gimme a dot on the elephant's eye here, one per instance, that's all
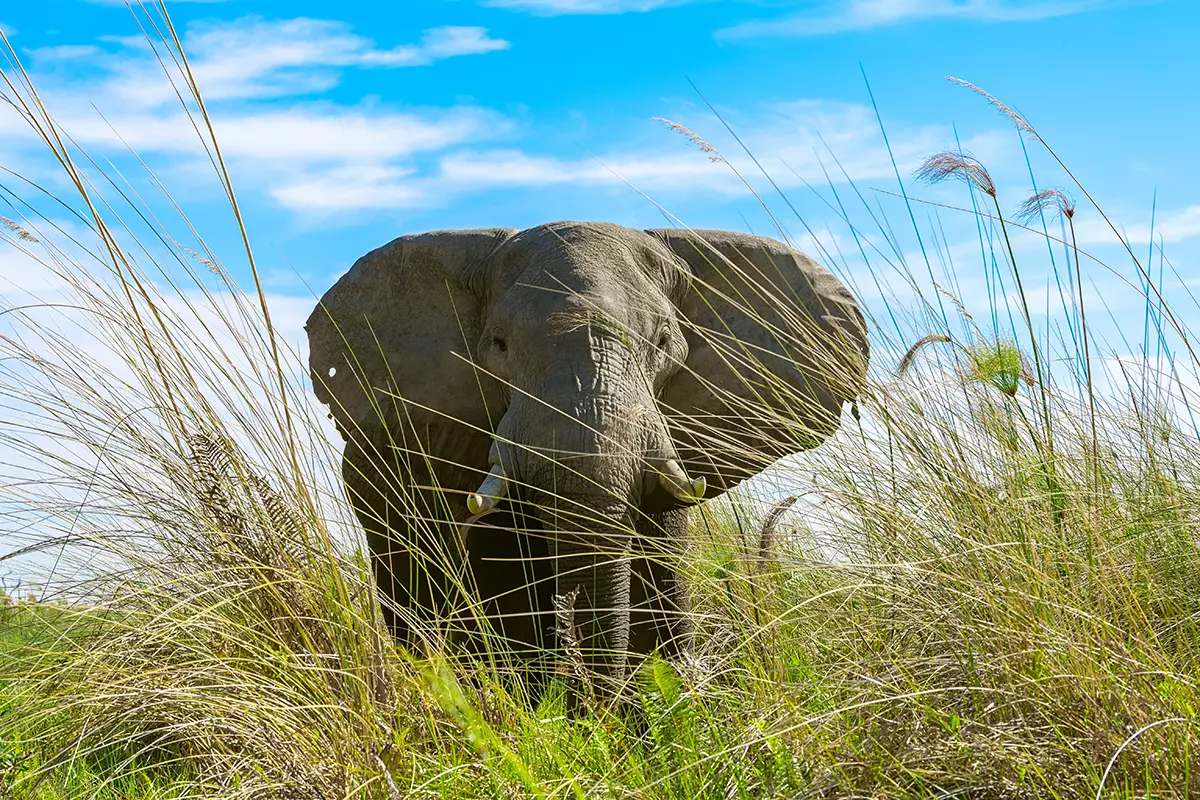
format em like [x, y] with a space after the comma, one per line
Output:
[664, 339]
[499, 343]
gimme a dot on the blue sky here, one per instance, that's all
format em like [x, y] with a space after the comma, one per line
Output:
[346, 125]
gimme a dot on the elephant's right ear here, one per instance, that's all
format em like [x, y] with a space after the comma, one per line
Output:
[397, 327]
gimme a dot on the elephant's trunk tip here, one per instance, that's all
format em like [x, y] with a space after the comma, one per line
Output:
[490, 492]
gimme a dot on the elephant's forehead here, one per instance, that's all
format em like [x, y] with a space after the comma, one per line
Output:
[594, 270]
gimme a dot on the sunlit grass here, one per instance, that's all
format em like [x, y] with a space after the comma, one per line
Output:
[953, 606]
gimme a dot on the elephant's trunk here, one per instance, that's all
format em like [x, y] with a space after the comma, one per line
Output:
[577, 464]
[590, 547]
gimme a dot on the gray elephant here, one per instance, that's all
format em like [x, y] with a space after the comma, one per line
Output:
[530, 415]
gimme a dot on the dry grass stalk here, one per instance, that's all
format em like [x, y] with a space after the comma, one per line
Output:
[571, 643]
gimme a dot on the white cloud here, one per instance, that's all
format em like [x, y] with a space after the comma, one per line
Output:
[841, 16]
[307, 134]
[785, 138]
[352, 187]
[314, 156]
[65, 52]
[1171, 227]
[7, 30]
[303, 152]
[486, 169]
[556, 7]
[253, 57]
[22, 276]
[321, 134]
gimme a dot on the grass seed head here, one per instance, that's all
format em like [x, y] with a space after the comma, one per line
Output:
[18, 229]
[1054, 201]
[917, 347]
[1016, 118]
[942, 166]
[694, 138]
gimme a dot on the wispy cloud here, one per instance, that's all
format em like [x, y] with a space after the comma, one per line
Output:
[1170, 227]
[557, 7]
[787, 137]
[293, 137]
[840, 16]
[254, 57]
[352, 187]
[264, 82]
[65, 52]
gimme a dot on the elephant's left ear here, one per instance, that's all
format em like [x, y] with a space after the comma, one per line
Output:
[777, 345]
[392, 333]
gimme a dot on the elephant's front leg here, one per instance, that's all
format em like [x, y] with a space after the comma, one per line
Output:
[660, 611]
[416, 554]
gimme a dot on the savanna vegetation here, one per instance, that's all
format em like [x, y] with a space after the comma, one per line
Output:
[987, 584]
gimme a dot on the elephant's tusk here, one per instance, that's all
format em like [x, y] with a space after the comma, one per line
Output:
[674, 480]
[491, 491]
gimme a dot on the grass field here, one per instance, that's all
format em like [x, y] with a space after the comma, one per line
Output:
[989, 638]
[988, 587]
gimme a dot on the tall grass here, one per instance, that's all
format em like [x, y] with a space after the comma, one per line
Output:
[954, 605]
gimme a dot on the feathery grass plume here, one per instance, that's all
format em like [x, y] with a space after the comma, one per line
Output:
[911, 355]
[695, 138]
[958, 306]
[22, 234]
[1016, 118]
[949, 164]
[204, 260]
[1054, 200]
[766, 536]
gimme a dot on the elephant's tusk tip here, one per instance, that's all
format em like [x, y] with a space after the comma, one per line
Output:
[477, 503]
[674, 481]
[489, 493]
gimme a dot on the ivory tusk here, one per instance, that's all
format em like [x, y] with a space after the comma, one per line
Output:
[490, 492]
[674, 480]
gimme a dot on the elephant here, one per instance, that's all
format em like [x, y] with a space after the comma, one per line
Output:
[530, 416]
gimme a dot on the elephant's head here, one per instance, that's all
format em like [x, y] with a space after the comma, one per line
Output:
[592, 371]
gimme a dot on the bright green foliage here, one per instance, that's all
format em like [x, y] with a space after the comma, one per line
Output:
[999, 364]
